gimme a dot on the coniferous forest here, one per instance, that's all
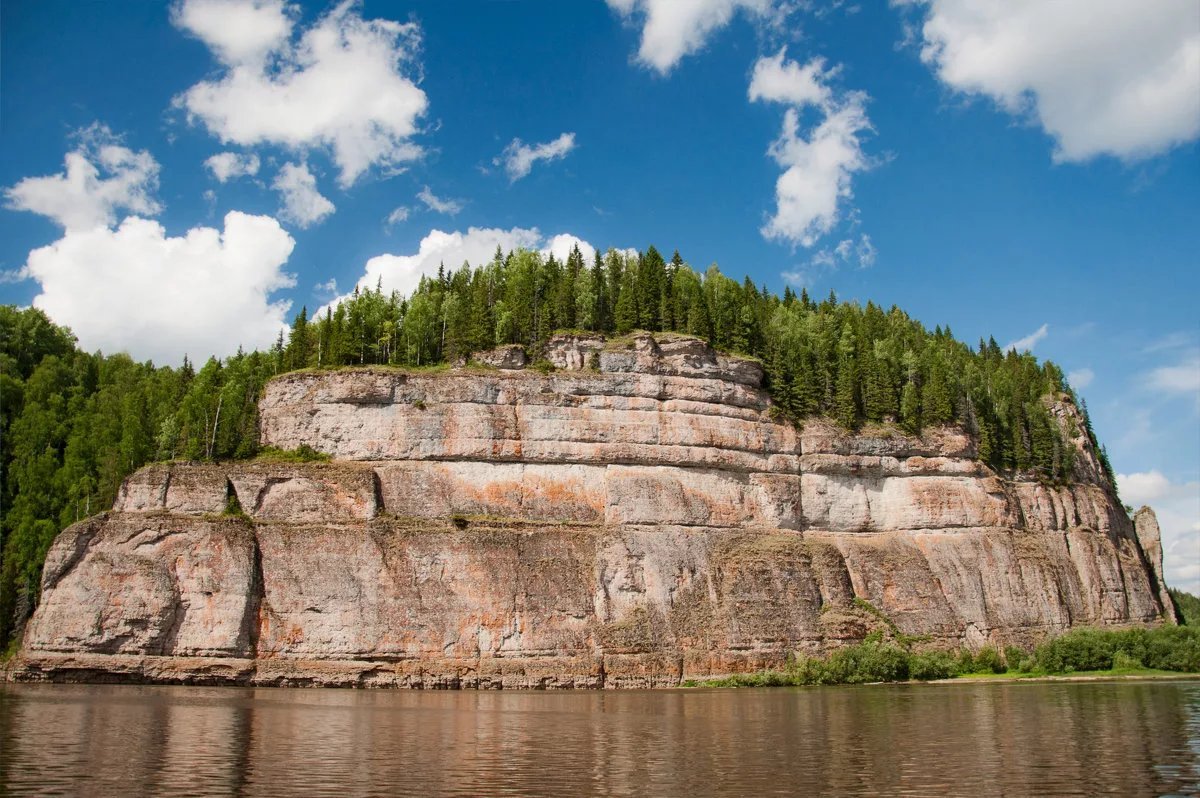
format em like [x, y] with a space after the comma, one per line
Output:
[75, 424]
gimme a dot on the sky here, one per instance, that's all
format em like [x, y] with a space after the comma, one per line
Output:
[182, 178]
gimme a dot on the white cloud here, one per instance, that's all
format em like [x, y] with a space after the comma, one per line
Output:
[848, 252]
[476, 246]
[1100, 76]
[777, 80]
[342, 85]
[560, 247]
[672, 29]
[226, 166]
[1183, 377]
[438, 205]
[100, 176]
[326, 289]
[135, 289]
[1081, 378]
[518, 157]
[818, 166]
[303, 205]
[1177, 505]
[1029, 341]
[397, 215]
[237, 31]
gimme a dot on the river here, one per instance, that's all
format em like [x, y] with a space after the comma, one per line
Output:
[1011, 739]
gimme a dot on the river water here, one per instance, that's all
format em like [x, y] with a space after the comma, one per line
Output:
[1011, 739]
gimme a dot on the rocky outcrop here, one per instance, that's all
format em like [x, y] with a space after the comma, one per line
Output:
[1149, 538]
[639, 516]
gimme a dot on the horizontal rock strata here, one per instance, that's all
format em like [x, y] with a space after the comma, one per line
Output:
[638, 517]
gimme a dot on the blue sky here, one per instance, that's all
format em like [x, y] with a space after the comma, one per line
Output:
[1028, 171]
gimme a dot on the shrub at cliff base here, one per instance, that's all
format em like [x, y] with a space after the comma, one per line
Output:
[1167, 648]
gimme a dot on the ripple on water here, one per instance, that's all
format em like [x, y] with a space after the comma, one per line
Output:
[1085, 739]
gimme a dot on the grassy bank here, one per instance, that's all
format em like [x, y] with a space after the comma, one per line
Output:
[1168, 650]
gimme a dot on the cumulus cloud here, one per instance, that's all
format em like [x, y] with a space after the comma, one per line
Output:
[1081, 378]
[777, 80]
[1177, 505]
[237, 31]
[303, 205]
[226, 166]
[1027, 343]
[100, 176]
[518, 157]
[342, 85]
[1102, 77]
[560, 247]
[476, 246]
[819, 164]
[138, 290]
[437, 204]
[672, 29]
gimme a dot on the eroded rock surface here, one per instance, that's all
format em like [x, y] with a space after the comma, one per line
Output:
[638, 517]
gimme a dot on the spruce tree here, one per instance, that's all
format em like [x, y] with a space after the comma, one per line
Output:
[910, 410]
[936, 406]
[845, 407]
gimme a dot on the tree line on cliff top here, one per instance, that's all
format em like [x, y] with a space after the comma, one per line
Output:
[73, 424]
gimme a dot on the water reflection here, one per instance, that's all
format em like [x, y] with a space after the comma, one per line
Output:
[985, 739]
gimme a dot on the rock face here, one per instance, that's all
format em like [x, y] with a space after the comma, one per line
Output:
[640, 516]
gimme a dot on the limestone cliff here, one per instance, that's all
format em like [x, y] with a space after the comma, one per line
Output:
[637, 516]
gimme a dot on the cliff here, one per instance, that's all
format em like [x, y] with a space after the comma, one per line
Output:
[638, 516]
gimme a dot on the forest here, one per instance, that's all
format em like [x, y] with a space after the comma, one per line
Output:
[74, 424]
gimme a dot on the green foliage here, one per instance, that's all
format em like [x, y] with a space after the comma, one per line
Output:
[1166, 648]
[1188, 607]
[301, 454]
[988, 660]
[929, 665]
[1124, 661]
[233, 507]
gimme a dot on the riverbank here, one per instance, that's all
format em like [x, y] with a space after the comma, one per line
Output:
[756, 680]
[1081, 654]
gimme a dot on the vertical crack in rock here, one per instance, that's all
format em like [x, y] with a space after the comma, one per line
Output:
[166, 487]
[252, 620]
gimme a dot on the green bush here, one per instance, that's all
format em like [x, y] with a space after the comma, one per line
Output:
[1013, 656]
[869, 661]
[928, 665]
[1123, 661]
[1172, 648]
[233, 507]
[1168, 648]
[988, 661]
[301, 454]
